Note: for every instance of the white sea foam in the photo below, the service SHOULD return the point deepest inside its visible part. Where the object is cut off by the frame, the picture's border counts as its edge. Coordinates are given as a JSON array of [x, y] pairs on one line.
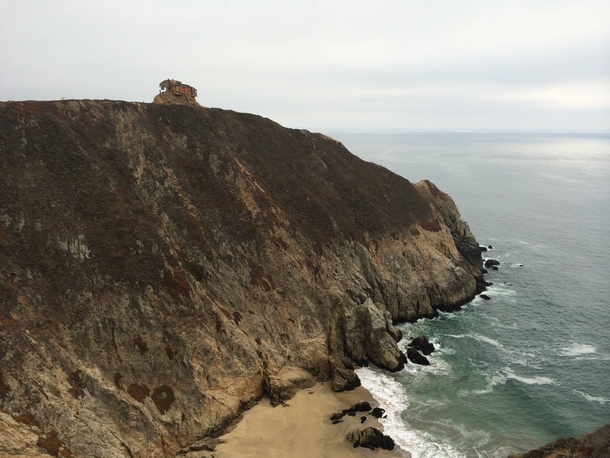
[[593, 398], [478, 337], [577, 349], [438, 365], [443, 350], [457, 336], [392, 397], [448, 315], [481, 338], [528, 380], [500, 290]]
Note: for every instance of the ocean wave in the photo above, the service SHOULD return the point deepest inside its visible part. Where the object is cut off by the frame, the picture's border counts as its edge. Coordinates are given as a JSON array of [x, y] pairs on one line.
[[488, 340], [513, 326], [437, 367], [528, 380], [500, 290], [523, 361], [493, 379], [392, 397], [447, 315], [590, 398], [478, 337], [577, 349], [442, 350]]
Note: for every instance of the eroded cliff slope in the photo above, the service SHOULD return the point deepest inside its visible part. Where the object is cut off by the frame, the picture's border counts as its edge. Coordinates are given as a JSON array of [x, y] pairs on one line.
[[162, 266]]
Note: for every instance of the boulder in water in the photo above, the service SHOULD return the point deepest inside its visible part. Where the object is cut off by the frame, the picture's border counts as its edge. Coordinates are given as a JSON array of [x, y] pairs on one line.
[[422, 344], [416, 357], [491, 262]]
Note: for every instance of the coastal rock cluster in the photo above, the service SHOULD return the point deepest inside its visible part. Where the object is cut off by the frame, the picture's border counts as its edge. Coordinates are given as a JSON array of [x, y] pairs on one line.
[[371, 438], [163, 267], [368, 437], [418, 349]]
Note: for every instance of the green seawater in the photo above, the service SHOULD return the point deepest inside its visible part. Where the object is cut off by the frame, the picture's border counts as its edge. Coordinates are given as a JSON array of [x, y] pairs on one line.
[[533, 363]]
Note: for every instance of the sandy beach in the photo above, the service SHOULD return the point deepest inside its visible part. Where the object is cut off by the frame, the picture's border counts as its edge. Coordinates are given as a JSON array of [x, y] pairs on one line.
[[302, 428]]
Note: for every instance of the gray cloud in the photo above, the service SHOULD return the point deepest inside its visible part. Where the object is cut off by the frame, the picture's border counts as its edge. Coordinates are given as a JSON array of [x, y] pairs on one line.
[[337, 63]]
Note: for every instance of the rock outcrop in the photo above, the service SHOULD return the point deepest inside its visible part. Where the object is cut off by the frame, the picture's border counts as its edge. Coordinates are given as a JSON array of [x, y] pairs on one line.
[[422, 344], [163, 266], [416, 357], [491, 262], [175, 92], [284, 385], [594, 445]]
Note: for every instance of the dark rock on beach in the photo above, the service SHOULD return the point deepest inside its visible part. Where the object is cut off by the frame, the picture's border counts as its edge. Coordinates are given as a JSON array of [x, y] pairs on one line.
[[371, 438], [362, 406], [377, 412]]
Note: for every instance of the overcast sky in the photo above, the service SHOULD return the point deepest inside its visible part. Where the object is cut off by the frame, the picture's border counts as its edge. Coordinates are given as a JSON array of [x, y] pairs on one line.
[[417, 64]]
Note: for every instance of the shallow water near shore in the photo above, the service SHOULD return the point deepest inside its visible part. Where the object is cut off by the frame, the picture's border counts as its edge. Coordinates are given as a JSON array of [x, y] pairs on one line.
[[533, 363]]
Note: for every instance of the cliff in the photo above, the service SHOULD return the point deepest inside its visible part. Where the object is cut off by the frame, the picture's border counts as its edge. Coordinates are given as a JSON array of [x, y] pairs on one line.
[[593, 445], [164, 266]]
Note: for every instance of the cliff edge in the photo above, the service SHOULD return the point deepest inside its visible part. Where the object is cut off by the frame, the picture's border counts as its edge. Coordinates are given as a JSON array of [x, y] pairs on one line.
[[162, 267], [593, 445]]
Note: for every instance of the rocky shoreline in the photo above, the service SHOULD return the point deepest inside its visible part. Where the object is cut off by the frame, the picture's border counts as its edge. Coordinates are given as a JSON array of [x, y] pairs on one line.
[[164, 267], [302, 428]]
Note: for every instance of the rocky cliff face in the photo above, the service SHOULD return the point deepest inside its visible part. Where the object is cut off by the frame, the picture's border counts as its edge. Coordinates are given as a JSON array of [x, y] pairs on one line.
[[593, 445], [163, 266]]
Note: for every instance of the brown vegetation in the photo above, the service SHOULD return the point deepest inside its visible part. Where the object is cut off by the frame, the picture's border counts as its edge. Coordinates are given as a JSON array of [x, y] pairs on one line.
[[138, 392]]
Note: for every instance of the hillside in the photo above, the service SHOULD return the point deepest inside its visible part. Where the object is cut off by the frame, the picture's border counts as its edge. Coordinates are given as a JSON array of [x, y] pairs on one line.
[[162, 267]]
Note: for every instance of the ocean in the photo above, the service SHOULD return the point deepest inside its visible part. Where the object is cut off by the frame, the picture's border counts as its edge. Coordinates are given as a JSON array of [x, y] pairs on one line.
[[532, 364]]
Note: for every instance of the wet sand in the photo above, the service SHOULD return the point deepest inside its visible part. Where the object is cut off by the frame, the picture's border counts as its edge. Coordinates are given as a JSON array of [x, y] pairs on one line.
[[302, 429]]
